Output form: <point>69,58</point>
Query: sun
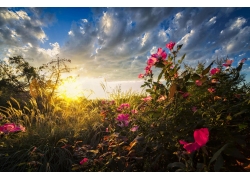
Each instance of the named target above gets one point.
<point>70,89</point>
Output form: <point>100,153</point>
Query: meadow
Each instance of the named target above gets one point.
<point>188,119</point>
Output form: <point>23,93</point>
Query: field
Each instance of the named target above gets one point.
<point>188,119</point>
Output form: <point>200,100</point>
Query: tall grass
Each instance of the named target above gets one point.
<point>52,136</point>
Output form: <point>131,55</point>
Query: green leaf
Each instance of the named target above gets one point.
<point>195,77</point>
<point>205,71</point>
<point>241,112</point>
<point>179,47</point>
<point>234,152</point>
<point>242,126</point>
<point>160,75</point>
<point>216,155</point>
<point>229,118</point>
<point>219,163</point>
<point>182,58</point>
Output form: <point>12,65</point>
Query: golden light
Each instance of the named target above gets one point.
<point>70,89</point>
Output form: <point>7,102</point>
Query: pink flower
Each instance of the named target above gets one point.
<point>107,129</point>
<point>198,82</point>
<point>194,108</point>
<point>161,54</point>
<point>134,111</point>
<point>124,106</point>
<point>84,160</point>
<point>201,137</point>
<point>11,127</point>
<point>214,71</point>
<point>211,90</point>
<point>148,98</point>
<point>134,128</point>
<point>185,95</point>
<point>148,69</point>
<point>141,76</point>
<point>228,63</point>
<point>123,119</point>
<point>170,45</point>
<point>152,61</point>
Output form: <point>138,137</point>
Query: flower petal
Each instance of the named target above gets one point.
<point>201,136</point>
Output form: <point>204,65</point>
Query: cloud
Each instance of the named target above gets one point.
<point>115,43</point>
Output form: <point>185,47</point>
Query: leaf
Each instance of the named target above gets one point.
<point>160,75</point>
<point>182,58</point>
<point>179,47</point>
<point>234,152</point>
<point>241,112</point>
<point>205,71</point>
<point>203,79</point>
<point>219,163</point>
<point>176,164</point>
<point>239,67</point>
<point>229,118</point>
<point>195,77</point>
<point>172,90</point>
<point>217,154</point>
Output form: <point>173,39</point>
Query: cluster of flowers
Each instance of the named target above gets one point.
<point>161,55</point>
<point>11,128</point>
<point>124,118</point>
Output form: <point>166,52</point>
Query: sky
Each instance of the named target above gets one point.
<point>111,44</point>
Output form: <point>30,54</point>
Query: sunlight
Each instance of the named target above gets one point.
<point>70,89</point>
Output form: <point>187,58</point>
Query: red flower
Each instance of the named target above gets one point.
<point>198,82</point>
<point>211,90</point>
<point>141,76</point>
<point>170,45</point>
<point>84,160</point>
<point>201,137</point>
<point>214,71</point>
<point>228,63</point>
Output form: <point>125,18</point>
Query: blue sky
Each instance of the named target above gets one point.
<point>114,43</point>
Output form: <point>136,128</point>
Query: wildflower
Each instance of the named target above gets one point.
<point>170,45</point>
<point>148,70</point>
<point>151,61</point>
<point>228,63</point>
<point>83,161</point>
<point>123,119</point>
<point>201,137</point>
<point>214,71</point>
<point>161,54</point>
<point>123,106</point>
<point>211,90</point>
<point>148,98</point>
<point>134,128</point>
<point>134,111</point>
<point>141,76</point>
<point>11,127</point>
<point>194,108</point>
<point>198,82</point>
<point>185,95</point>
